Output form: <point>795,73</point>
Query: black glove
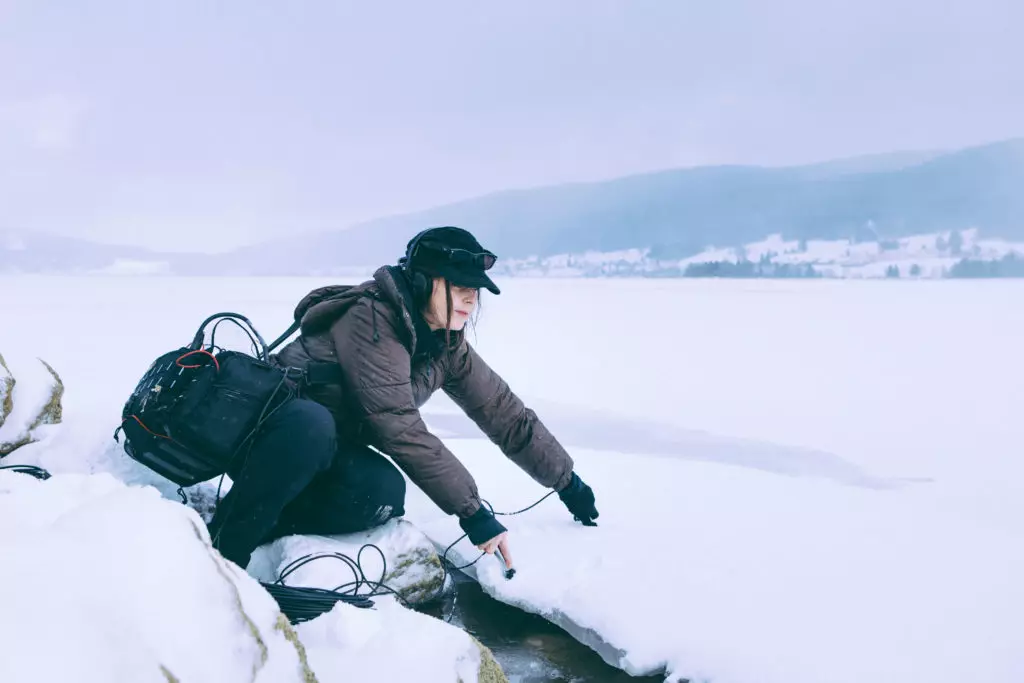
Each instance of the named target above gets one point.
<point>579,498</point>
<point>481,526</point>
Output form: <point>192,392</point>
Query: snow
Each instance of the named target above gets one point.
<point>110,571</point>
<point>12,241</point>
<point>711,254</point>
<point>835,258</point>
<point>123,266</point>
<point>90,562</point>
<point>734,575</point>
<point>6,391</point>
<point>994,248</point>
<point>909,384</point>
<point>137,554</point>
<point>34,386</point>
<point>772,245</point>
<point>798,481</point>
<point>103,582</point>
<point>395,554</point>
<point>389,643</point>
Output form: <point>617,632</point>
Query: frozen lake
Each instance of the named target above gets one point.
<point>861,383</point>
<point>918,379</point>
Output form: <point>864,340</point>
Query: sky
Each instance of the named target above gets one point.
<point>186,125</point>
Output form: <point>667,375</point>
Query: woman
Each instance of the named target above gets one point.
<point>373,354</point>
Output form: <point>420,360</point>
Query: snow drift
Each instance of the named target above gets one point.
<point>105,582</point>
<point>733,575</point>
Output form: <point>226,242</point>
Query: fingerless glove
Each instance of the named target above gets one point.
<point>481,526</point>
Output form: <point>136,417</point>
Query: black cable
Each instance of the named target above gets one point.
<point>31,470</point>
<point>504,514</point>
<point>316,601</point>
<point>518,512</point>
<point>356,566</point>
<point>300,604</point>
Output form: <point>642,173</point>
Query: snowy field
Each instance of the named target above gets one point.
<point>798,481</point>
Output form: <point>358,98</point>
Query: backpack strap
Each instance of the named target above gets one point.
<point>323,372</point>
<point>287,333</point>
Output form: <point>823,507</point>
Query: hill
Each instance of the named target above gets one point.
<point>682,212</point>
<point>666,215</point>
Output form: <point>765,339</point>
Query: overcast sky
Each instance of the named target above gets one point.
<point>201,125</point>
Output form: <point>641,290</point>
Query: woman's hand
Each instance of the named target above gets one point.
<point>579,498</point>
<point>487,533</point>
<point>500,543</point>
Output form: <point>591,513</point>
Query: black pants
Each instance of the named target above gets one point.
<point>297,479</point>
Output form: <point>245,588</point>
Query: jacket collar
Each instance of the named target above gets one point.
<point>321,307</point>
<point>394,288</point>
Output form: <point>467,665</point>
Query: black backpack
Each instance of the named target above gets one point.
<point>197,407</point>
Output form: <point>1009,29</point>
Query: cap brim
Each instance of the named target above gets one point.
<point>477,280</point>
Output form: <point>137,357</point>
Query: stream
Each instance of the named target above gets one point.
<point>529,648</point>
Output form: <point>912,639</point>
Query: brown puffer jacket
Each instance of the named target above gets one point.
<point>367,331</point>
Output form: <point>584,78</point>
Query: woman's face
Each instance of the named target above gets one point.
<point>464,302</point>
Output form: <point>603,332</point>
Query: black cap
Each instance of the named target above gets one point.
<point>451,253</point>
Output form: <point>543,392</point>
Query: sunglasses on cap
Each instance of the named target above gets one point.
<point>483,260</point>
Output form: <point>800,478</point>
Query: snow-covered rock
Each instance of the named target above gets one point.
<point>106,582</point>
<point>6,391</point>
<point>396,555</point>
<point>30,397</point>
<point>124,585</point>
<point>392,643</point>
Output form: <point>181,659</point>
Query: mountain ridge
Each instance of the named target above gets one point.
<point>675,213</point>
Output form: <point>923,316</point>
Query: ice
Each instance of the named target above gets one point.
<point>721,572</point>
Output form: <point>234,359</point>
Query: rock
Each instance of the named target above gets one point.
<point>116,583</point>
<point>393,643</point>
<point>203,498</point>
<point>28,404</point>
<point>489,670</point>
<point>292,637</point>
<point>52,411</point>
<point>6,391</point>
<point>411,566</point>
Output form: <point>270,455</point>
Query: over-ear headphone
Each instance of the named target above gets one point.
<point>421,285</point>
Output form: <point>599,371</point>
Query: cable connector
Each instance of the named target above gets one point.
<point>31,470</point>
<point>509,571</point>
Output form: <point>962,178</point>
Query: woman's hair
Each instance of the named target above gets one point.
<point>449,309</point>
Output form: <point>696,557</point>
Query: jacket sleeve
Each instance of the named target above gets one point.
<point>376,380</point>
<point>515,429</point>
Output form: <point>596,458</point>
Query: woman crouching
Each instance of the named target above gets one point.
<point>374,353</point>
